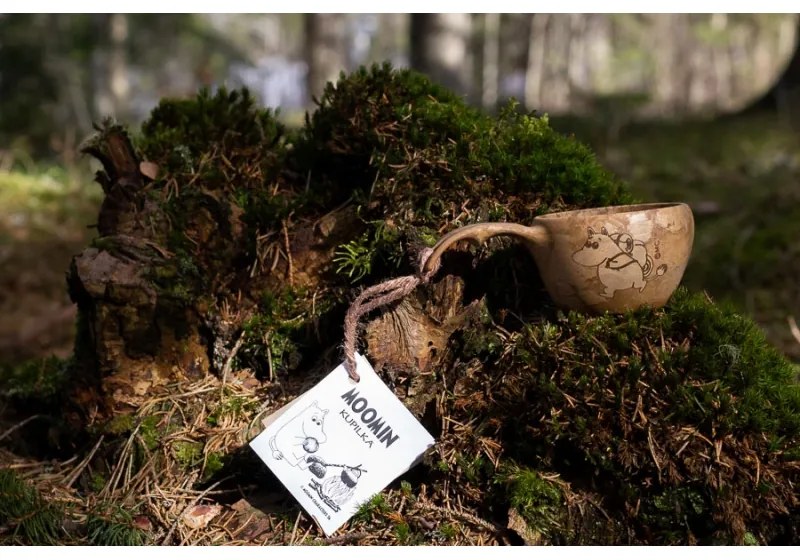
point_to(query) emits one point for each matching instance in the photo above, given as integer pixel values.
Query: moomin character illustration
(300, 437)
(622, 262)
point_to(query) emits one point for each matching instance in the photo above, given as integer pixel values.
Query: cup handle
(480, 233)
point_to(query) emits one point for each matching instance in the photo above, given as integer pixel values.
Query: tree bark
(131, 334)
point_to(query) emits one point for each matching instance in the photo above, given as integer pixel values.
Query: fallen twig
(653, 452)
(226, 369)
(792, 327)
(464, 516)
(16, 427)
(290, 265)
(294, 529)
(76, 472)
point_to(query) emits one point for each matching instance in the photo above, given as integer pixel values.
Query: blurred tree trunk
(392, 38)
(439, 48)
(784, 96)
(515, 30)
(577, 69)
(663, 65)
(112, 79)
(326, 50)
(536, 59)
(490, 75)
(118, 65)
(73, 110)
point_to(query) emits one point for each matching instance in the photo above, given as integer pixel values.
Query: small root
(226, 369)
(290, 266)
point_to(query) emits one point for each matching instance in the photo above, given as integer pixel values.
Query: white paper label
(340, 443)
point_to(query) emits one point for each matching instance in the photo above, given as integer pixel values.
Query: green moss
(475, 468)
(537, 500)
(214, 463)
(608, 393)
(405, 536)
(750, 539)
(233, 406)
(482, 342)
(219, 156)
(178, 279)
(414, 156)
(187, 453)
(150, 432)
(377, 506)
(42, 379)
(120, 424)
(448, 531)
(275, 336)
(354, 121)
(180, 131)
(97, 482)
(675, 510)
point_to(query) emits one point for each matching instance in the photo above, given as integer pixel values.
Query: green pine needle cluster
(114, 528)
(25, 515)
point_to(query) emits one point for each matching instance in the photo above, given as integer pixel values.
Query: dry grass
(148, 471)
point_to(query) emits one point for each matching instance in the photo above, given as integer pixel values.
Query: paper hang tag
(340, 443)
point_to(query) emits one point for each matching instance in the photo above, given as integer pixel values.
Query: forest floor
(43, 222)
(739, 174)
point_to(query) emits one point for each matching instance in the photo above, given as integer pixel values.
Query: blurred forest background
(701, 108)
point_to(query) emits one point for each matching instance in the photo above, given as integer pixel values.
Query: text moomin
(366, 420)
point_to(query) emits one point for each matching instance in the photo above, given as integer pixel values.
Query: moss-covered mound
(684, 419)
(669, 426)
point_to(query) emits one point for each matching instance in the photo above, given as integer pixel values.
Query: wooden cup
(613, 258)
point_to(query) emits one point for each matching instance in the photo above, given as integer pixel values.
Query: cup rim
(606, 210)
